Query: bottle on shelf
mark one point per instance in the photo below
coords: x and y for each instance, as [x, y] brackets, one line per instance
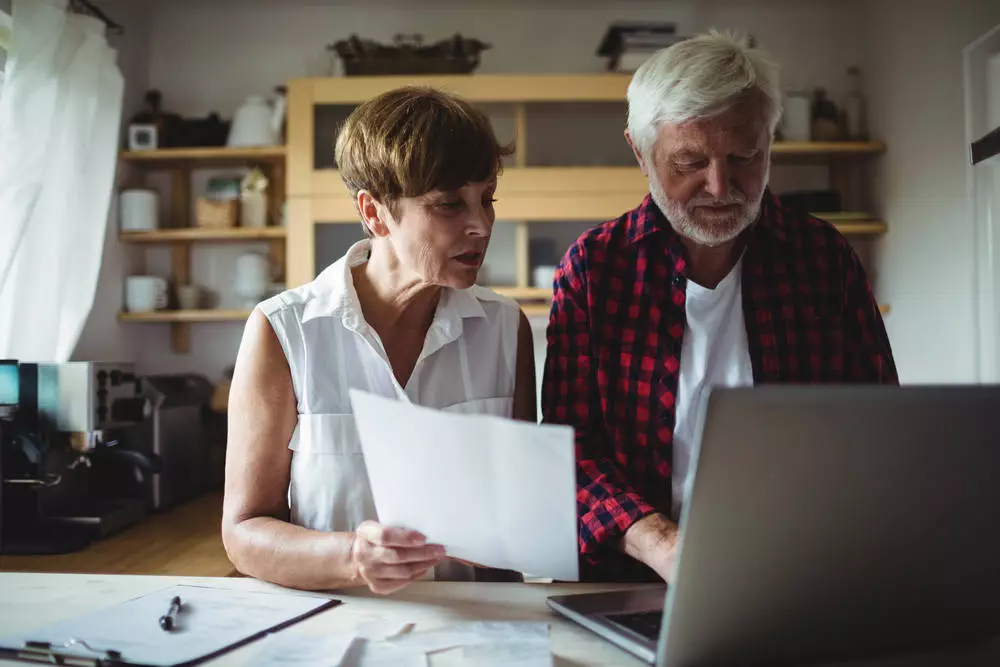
[825, 118]
[855, 111]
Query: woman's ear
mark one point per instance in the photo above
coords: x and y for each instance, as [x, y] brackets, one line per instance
[373, 213]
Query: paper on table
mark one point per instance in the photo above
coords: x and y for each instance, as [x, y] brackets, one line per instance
[368, 653]
[382, 629]
[295, 649]
[474, 633]
[507, 654]
[210, 620]
[493, 491]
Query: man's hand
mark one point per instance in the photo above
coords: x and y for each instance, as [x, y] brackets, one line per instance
[654, 541]
[388, 559]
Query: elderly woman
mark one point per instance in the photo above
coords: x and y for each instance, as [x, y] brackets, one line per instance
[400, 316]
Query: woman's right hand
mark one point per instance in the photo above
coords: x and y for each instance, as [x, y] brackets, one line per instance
[388, 558]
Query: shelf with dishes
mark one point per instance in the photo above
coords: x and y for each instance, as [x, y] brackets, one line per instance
[533, 300]
[248, 209]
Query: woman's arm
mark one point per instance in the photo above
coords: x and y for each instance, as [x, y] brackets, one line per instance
[255, 530]
[525, 401]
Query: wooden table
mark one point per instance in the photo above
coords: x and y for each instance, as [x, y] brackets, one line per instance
[28, 600]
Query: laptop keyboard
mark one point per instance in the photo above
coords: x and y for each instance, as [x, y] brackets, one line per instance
[646, 623]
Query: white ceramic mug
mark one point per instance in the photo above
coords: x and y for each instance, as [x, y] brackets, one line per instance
[797, 118]
[145, 293]
[139, 210]
[188, 297]
[253, 277]
[544, 276]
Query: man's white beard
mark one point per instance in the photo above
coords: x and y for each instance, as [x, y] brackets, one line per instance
[711, 230]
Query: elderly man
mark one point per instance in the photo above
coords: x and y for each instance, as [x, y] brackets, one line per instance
[710, 282]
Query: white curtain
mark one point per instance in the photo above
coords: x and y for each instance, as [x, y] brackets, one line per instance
[59, 124]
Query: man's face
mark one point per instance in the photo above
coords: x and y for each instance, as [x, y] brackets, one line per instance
[708, 176]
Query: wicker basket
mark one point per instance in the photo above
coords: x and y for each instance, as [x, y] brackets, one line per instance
[408, 55]
[216, 214]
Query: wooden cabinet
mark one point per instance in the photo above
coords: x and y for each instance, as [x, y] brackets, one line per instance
[534, 200]
[540, 197]
[177, 232]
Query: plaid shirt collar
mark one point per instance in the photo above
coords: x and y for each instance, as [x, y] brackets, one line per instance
[648, 220]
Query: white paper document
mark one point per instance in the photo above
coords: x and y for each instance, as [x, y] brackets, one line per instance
[475, 633]
[291, 650]
[509, 654]
[368, 653]
[210, 620]
[493, 491]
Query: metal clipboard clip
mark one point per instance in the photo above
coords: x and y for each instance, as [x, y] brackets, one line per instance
[55, 654]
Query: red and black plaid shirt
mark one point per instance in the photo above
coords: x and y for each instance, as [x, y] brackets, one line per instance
[614, 350]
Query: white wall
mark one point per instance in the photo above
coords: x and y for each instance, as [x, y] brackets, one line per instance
[914, 63]
[209, 56]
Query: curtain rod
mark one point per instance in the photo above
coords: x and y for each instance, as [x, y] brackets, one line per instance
[87, 7]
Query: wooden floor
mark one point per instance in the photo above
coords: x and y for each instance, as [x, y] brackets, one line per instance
[181, 541]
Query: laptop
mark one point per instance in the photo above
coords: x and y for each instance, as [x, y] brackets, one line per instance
[825, 523]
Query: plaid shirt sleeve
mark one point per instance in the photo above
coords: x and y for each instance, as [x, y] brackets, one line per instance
[871, 361]
[571, 394]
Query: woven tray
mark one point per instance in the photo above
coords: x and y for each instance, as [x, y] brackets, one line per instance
[409, 55]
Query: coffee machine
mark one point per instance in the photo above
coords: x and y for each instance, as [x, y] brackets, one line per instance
[69, 467]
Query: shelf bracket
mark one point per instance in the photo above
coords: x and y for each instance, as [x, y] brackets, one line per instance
[180, 337]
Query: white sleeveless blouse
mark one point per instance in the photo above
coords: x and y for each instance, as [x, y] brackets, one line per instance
[467, 365]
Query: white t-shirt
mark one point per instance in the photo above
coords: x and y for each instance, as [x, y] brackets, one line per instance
[714, 354]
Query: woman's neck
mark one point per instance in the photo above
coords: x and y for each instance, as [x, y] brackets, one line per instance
[391, 297]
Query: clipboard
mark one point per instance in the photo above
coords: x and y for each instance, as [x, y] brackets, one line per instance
[211, 621]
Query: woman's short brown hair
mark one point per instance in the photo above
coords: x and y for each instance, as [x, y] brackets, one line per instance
[410, 141]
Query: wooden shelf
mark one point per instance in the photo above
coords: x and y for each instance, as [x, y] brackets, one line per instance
[548, 194]
[523, 293]
[539, 300]
[536, 309]
[186, 316]
[213, 156]
[193, 234]
[827, 148]
[861, 227]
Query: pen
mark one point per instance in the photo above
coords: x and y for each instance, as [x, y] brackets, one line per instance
[168, 619]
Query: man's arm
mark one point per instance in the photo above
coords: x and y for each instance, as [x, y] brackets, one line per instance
[607, 505]
[871, 358]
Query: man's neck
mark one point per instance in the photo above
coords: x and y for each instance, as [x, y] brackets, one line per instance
[708, 265]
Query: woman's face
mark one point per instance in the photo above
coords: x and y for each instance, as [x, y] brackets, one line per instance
[442, 236]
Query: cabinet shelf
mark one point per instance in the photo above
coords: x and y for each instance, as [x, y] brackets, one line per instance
[827, 148]
[186, 316]
[209, 156]
[195, 234]
[558, 194]
[523, 293]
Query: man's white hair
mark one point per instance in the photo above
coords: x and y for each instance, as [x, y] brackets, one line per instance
[699, 78]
